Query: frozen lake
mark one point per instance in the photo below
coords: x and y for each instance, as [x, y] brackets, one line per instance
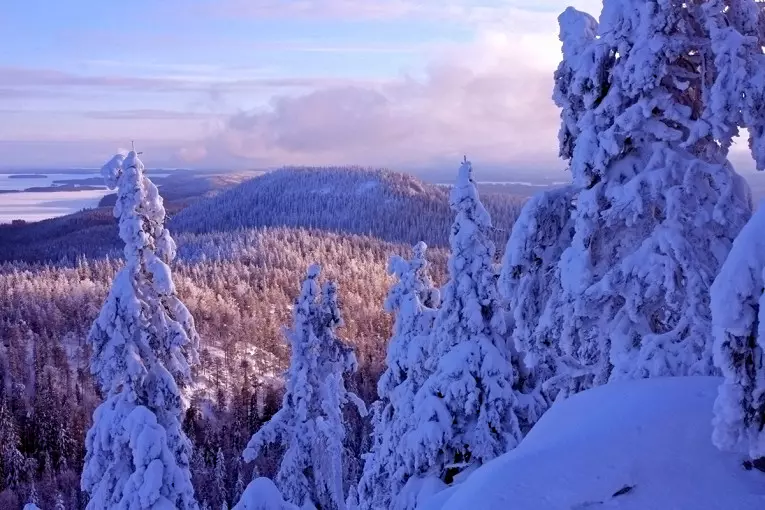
[41, 205]
[25, 180]
[36, 206]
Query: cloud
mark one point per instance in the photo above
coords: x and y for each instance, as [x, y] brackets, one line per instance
[464, 11]
[323, 9]
[487, 100]
[20, 80]
[143, 114]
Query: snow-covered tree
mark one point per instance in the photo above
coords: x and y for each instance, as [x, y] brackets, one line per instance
[413, 300]
[531, 277]
[738, 319]
[12, 461]
[657, 205]
[466, 409]
[736, 97]
[144, 344]
[530, 284]
[59, 503]
[575, 91]
[239, 486]
[310, 423]
[219, 478]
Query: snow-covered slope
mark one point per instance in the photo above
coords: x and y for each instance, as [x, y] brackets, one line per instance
[641, 445]
[391, 206]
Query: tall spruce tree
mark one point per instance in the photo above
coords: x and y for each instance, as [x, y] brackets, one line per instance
[649, 107]
[144, 344]
[413, 299]
[738, 318]
[310, 423]
[466, 409]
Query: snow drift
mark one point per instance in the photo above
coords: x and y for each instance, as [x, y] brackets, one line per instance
[640, 445]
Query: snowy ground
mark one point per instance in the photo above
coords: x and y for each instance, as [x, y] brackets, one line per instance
[36, 206]
[641, 445]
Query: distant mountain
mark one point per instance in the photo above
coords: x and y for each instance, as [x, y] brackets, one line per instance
[92, 233]
[391, 206]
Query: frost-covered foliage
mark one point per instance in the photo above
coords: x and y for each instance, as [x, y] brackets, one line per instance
[262, 494]
[656, 203]
[413, 300]
[738, 318]
[467, 407]
[572, 93]
[530, 283]
[144, 344]
[737, 95]
[310, 423]
[391, 206]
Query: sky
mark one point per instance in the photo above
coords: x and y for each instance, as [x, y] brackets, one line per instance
[262, 83]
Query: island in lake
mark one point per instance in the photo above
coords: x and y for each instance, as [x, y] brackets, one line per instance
[27, 176]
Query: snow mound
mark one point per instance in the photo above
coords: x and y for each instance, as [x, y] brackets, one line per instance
[262, 494]
[639, 445]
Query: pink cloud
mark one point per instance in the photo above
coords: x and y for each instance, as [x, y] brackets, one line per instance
[21, 79]
[486, 101]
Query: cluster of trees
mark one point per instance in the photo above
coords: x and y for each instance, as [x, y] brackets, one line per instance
[649, 264]
[387, 205]
[608, 279]
[234, 284]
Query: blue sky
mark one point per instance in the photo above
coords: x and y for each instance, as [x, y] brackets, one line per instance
[257, 83]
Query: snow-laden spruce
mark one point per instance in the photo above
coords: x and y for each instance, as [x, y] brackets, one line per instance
[466, 409]
[657, 204]
[144, 344]
[572, 93]
[530, 283]
[737, 32]
[738, 319]
[310, 423]
[531, 280]
[413, 300]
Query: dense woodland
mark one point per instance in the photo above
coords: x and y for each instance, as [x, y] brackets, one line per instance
[294, 338]
[239, 287]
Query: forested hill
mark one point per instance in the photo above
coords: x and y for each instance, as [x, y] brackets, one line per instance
[388, 205]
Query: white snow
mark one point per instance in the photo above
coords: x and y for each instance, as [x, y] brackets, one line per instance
[738, 321]
[262, 494]
[652, 435]
[42, 205]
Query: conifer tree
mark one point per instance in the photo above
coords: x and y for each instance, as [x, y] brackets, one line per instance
[413, 299]
[530, 282]
[656, 204]
[220, 477]
[144, 344]
[11, 459]
[466, 409]
[738, 319]
[310, 423]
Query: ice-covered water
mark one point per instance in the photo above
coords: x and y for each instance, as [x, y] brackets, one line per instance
[36, 206]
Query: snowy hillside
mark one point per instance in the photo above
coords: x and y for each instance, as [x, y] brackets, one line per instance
[617, 446]
[391, 206]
